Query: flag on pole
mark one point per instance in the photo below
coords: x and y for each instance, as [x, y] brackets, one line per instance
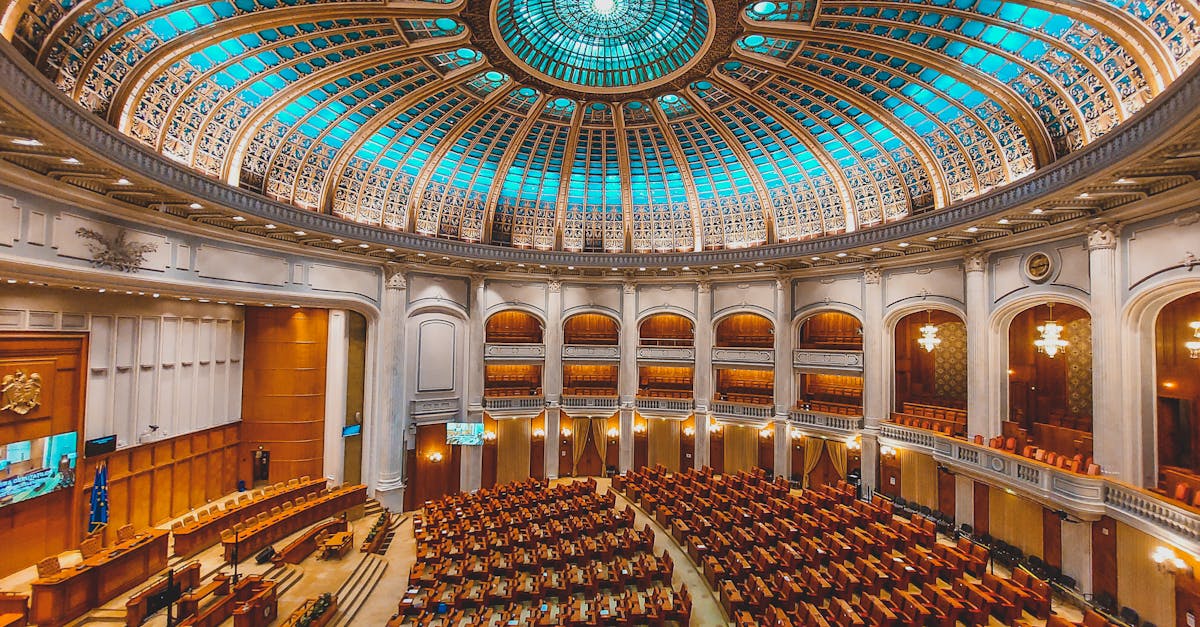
[99, 514]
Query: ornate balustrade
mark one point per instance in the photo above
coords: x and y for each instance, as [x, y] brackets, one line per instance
[513, 403]
[831, 423]
[591, 353]
[602, 403]
[724, 409]
[667, 353]
[841, 361]
[744, 356]
[515, 351]
[665, 405]
[1086, 496]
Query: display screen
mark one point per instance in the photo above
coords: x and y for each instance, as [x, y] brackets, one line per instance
[350, 430]
[33, 468]
[464, 433]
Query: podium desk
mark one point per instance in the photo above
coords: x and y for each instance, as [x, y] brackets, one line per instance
[61, 598]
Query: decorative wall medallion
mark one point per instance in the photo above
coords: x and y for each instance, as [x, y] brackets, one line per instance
[118, 253]
[1038, 267]
[21, 392]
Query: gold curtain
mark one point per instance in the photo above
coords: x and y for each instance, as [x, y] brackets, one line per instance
[600, 435]
[812, 455]
[1015, 520]
[741, 448]
[663, 443]
[512, 450]
[918, 478]
[579, 430]
[837, 454]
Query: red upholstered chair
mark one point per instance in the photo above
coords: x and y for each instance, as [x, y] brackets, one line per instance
[1181, 492]
[978, 439]
[1093, 469]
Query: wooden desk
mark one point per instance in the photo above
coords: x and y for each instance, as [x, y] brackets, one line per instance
[99, 579]
[197, 536]
[289, 521]
[337, 544]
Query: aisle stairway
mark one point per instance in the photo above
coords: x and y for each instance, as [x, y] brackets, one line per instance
[357, 588]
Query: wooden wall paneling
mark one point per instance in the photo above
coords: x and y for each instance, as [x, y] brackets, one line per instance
[612, 450]
[766, 450]
[490, 458]
[982, 515]
[663, 443]
[1104, 556]
[537, 448]
[592, 329]
[1140, 583]
[1178, 385]
[745, 330]
[797, 461]
[666, 326]
[1051, 538]
[45, 525]
[283, 399]
[1187, 599]
[641, 443]
[513, 327]
[687, 443]
[432, 480]
[831, 330]
[891, 476]
[410, 493]
[716, 450]
[946, 493]
[1015, 520]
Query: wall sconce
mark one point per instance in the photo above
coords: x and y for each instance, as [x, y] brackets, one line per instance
[1169, 563]
[1193, 345]
[639, 428]
[539, 433]
[689, 432]
[489, 435]
[715, 427]
[797, 434]
[434, 457]
[766, 433]
[613, 433]
[886, 450]
[566, 432]
[853, 444]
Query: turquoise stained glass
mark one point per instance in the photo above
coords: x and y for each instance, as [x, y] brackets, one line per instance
[604, 44]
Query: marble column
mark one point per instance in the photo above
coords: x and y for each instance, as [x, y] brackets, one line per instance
[552, 376]
[394, 409]
[874, 403]
[964, 501]
[1077, 558]
[336, 376]
[627, 379]
[702, 374]
[869, 462]
[785, 379]
[1113, 436]
[471, 475]
[983, 416]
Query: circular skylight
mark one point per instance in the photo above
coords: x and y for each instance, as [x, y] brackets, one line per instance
[605, 45]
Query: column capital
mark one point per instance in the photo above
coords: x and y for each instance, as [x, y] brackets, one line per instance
[872, 275]
[703, 287]
[1102, 236]
[630, 287]
[477, 281]
[554, 285]
[975, 261]
[395, 278]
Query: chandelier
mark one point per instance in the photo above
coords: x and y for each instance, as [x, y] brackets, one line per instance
[1051, 340]
[1193, 345]
[929, 339]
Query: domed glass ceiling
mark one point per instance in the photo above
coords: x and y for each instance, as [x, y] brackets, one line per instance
[603, 44]
[612, 125]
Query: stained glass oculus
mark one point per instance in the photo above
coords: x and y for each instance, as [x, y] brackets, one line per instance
[604, 45]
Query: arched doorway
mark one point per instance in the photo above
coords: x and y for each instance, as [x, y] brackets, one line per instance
[666, 329]
[930, 358]
[513, 326]
[821, 390]
[1177, 397]
[1050, 379]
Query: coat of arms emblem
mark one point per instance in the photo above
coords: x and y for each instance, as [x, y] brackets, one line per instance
[21, 392]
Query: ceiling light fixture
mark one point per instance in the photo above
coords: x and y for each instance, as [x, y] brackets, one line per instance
[929, 339]
[26, 141]
[1051, 340]
[71, 161]
[238, 219]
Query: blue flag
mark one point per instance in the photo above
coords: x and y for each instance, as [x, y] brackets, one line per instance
[99, 513]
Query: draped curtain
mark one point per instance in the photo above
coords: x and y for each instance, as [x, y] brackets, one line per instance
[512, 450]
[600, 435]
[741, 448]
[812, 455]
[663, 443]
[838, 454]
[579, 431]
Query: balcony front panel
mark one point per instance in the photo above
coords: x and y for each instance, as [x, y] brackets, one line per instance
[744, 356]
[585, 352]
[680, 354]
[827, 360]
[515, 352]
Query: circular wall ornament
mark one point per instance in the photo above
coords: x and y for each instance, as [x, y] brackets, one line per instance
[1038, 267]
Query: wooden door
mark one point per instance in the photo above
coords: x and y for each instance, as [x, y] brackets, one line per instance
[591, 464]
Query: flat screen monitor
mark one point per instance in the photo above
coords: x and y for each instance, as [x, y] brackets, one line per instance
[33, 468]
[350, 430]
[100, 446]
[464, 433]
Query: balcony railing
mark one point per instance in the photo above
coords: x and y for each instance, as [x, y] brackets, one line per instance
[514, 351]
[673, 405]
[742, 410]
[817, 359]
[667, 353]
[603, 403]
[747, 356]
[513, 403]
[1089, 495]
[591, 352]
[841, 425]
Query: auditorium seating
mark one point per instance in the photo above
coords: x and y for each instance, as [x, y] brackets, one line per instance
[947, 420]
[781, 557]
[533, 554]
